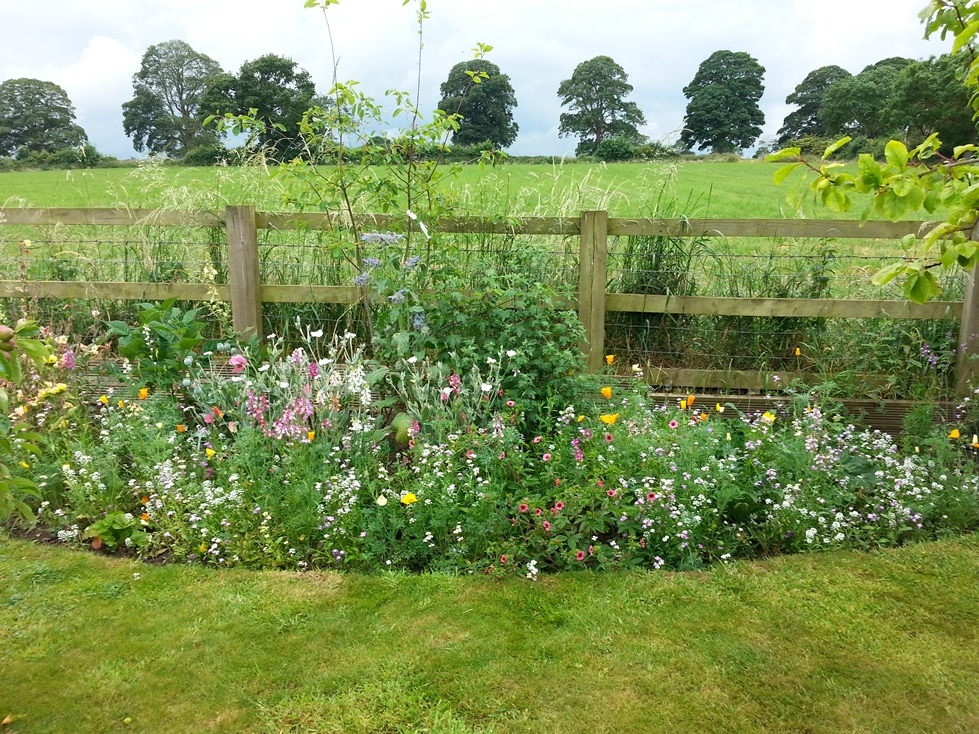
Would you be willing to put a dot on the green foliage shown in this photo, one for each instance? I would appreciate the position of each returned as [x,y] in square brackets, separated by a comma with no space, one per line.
[162,344]
[165,116]
[271,89]
[808,95]
[36,116]
[17,344]
[723,112]
[595,95]
[484,99]
[616,149]
[116,529]
[205,155]
[861,104]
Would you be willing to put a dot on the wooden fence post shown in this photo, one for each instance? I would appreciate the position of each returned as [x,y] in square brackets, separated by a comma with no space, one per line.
[592,276]
[246,297]
[968,351]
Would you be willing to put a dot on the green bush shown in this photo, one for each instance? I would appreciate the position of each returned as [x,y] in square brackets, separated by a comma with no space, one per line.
[615,149]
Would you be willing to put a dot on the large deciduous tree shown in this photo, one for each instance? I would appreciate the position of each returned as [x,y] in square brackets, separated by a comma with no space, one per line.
[277,89]
[723,112]
[929,97]
[165,116]
[36,116]
[860,104]
[596,94]
[484,97]
[809,98]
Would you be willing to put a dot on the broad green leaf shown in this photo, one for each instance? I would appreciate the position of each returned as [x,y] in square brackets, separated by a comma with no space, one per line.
[921,286]
[835,200]
[890,205]
[960,150]
[964,36]
[833,147]
[897,154]
[933,200]
[903,185]
[781,155]
[886,275]
[784,171]
[871,175]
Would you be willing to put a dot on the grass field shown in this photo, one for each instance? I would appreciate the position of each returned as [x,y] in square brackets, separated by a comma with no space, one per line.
[854,642]
[724,190]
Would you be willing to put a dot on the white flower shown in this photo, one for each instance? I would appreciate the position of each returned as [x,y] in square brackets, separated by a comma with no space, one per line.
[490,360]
[316,334]
[511,353]
[412,360]
[485,387]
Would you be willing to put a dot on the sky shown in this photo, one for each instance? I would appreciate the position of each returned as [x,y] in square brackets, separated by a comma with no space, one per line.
[92,49]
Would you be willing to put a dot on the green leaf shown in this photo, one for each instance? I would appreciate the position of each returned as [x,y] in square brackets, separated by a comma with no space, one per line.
[886,275]
[890,205]
[833,147]
[784,171]
[781,155]
[835,200]
[921,286]
[964,36]
[897,154]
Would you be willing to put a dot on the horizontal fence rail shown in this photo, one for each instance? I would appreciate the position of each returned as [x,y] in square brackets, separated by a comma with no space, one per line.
[246,293]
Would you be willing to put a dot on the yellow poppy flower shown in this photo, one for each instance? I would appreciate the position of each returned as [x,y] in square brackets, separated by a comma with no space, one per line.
[683,405]
[703,416]
[104,400]
[768,417]
[798,352]
[181,428]
[607,392]
[719,408]
[609,358]
[311,435]
[409,498]
[690,399]
[122,403]
[954,433]
[210,453]
[609,419]
[144,392]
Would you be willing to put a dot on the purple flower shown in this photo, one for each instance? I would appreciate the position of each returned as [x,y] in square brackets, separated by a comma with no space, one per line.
[238,362]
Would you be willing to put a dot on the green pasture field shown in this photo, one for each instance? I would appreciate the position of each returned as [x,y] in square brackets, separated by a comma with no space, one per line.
[819,643]
[723,190]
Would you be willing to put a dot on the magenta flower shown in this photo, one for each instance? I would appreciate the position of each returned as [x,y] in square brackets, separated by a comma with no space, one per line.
[547,526]
[608,438]
[538,439]
[559,506]
[238,362]
[579,556]
[610,493]
[523,507]
[538,512]
[547,457]
[503,558]
[673,424]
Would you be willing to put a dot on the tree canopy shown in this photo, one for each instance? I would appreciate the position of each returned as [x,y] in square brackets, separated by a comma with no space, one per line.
[929,97]
[723,112]
[860,104]
[808,95]
[36,116]
[485,99]
[596,94]
[165,114]
[277,89]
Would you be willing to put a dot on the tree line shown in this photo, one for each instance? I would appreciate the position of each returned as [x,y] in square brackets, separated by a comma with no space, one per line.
[178,88]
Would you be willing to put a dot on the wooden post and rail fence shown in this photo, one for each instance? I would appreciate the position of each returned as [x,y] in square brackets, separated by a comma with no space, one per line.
[247,293]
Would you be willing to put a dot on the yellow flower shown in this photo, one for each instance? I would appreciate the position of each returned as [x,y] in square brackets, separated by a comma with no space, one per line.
[975,441]
[609,358]
[607,392]
[409,498]
[728,437]
[609,419]
[768,417]
[25,465]
[690,399]
[50,359]
[104,400]
[181,428]
[122,403]
[159,425]
[581,418]
[683,405]
[311,435]
[144,392]
[203,547]
[703,416]
[719,408]
[798,352]
[954,433]
[210,453]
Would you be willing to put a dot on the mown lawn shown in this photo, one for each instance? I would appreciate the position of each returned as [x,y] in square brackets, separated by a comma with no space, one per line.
[832,642]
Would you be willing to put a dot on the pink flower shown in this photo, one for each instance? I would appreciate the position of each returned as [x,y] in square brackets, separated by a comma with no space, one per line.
[600,484]
[470,454]
[503,454]
[238,362]
[538,439]
[608,438]
[547,457]
[591,550]
[579,556]
[523,507]
[673,424]
[510,403]
[503,558]
[651,497]
[610,493]
[538,512]
[547,526]
[559,506]
[557,482]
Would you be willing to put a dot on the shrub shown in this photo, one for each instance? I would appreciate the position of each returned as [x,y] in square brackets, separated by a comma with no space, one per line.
[615,149]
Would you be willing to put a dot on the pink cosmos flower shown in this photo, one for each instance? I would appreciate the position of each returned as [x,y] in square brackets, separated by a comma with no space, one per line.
[547,526]
[651,497]
[538,512]
[610,493]
[559,506]
[608,438]
[547,457]
[538,439]
[523,507]
[673,424]
[579,556]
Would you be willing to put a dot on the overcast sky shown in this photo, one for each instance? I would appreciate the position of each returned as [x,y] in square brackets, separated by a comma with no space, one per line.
[93,48]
